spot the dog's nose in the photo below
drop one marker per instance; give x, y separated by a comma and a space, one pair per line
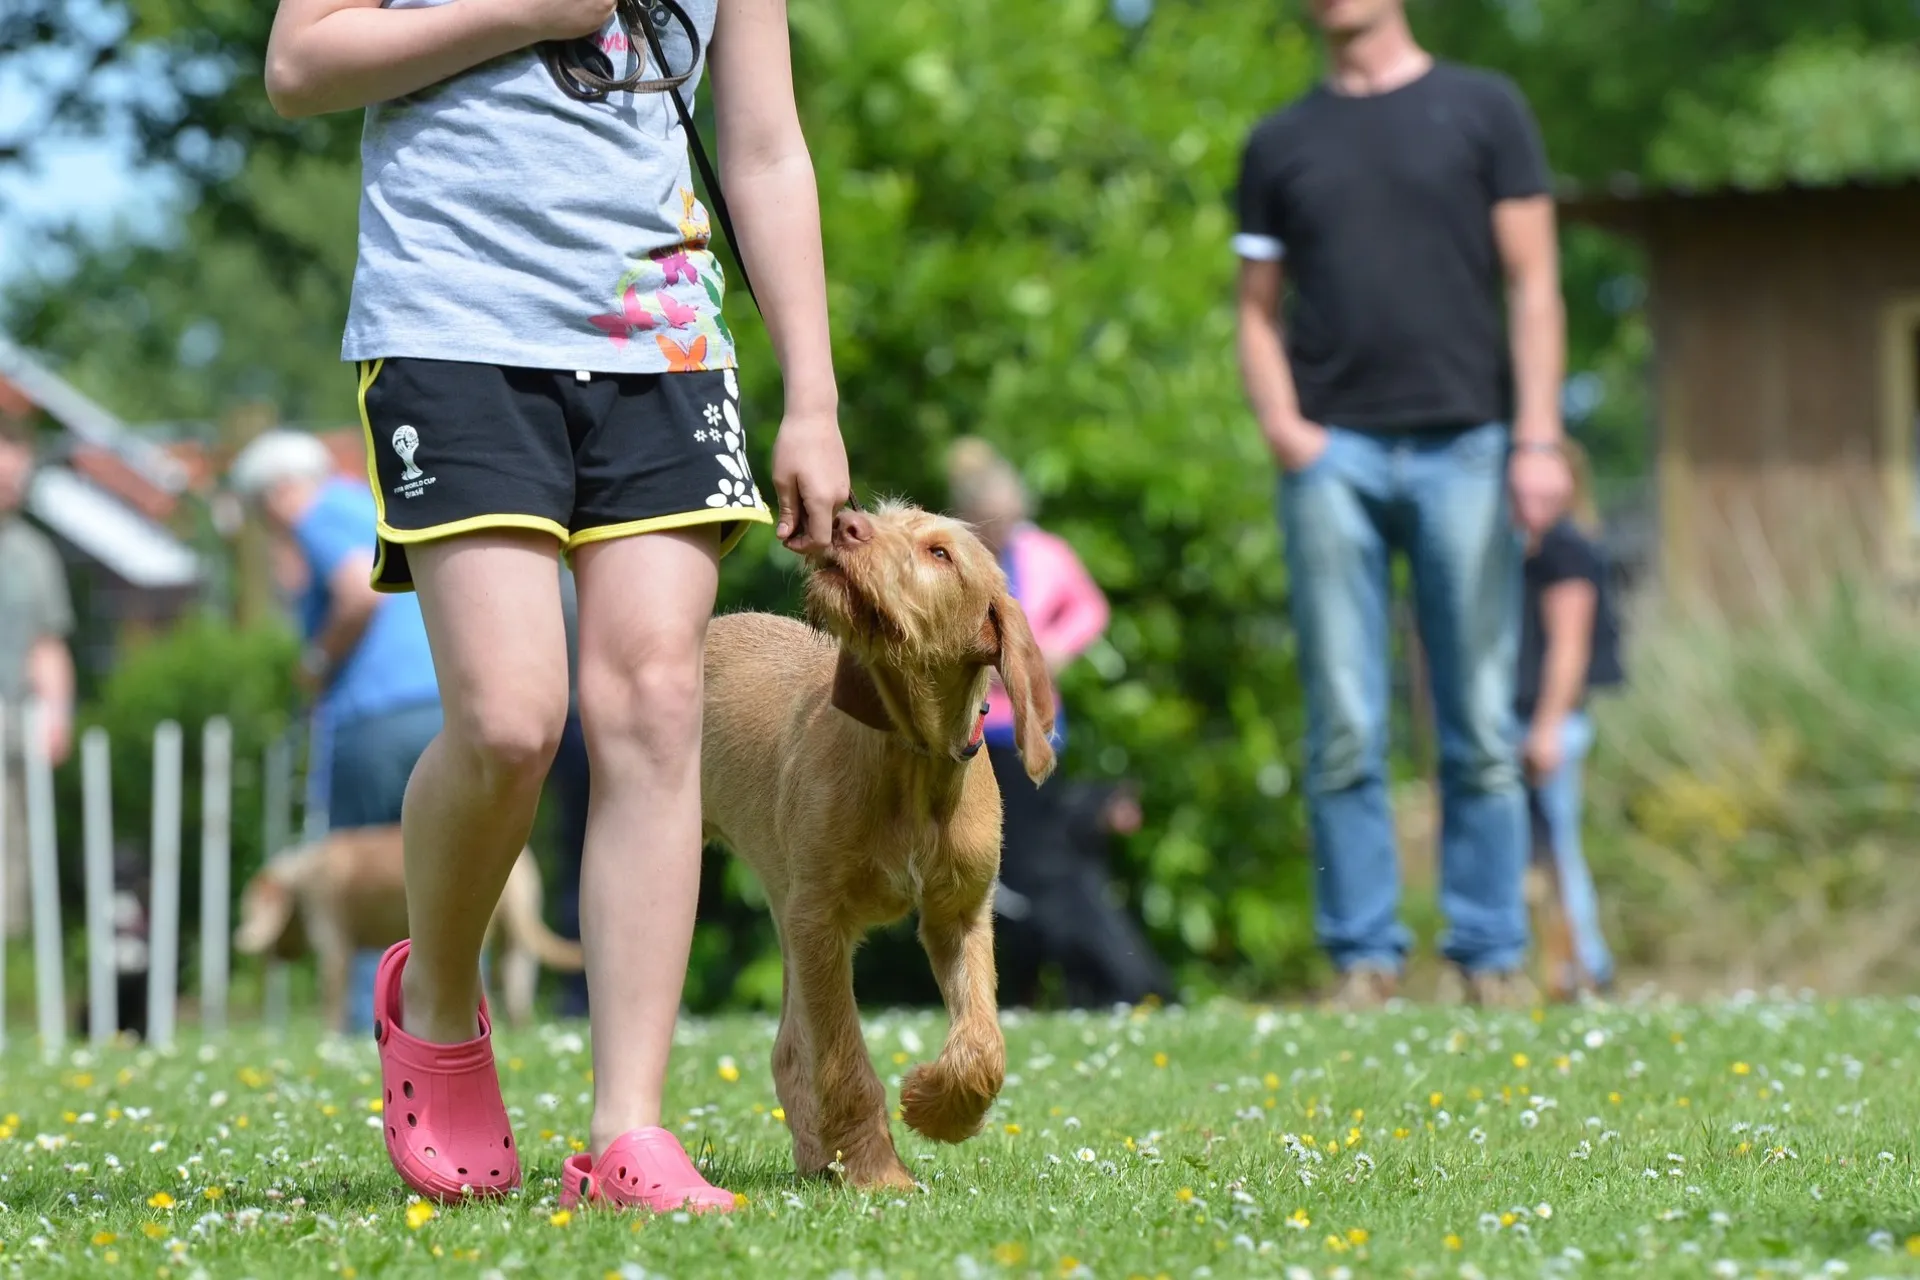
850, 528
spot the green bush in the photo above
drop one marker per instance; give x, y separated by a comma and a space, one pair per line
199, 670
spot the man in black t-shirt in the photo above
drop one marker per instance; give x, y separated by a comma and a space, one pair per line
1396, 202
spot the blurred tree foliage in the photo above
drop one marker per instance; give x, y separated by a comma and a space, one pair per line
1026, 212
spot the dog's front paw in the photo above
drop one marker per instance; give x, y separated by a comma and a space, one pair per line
946, 1105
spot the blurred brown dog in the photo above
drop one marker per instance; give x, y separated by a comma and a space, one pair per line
347, 893
845, 767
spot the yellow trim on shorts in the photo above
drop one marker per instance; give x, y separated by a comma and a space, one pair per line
743, 516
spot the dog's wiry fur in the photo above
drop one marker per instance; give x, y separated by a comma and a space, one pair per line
347, 892
851, 826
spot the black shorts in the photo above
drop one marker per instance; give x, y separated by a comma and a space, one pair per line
454, 447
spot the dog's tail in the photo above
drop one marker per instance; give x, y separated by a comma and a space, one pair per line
520, 913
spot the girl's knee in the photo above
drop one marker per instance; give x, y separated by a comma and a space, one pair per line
653, 697
510, 734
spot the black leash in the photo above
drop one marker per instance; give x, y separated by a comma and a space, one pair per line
585, 73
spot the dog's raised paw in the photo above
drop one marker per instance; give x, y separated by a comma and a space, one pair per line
940, 1104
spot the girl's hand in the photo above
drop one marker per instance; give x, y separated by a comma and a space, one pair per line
561, 19
810, 480
1543, 753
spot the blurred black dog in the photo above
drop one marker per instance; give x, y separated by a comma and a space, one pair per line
1055, 903
131, 886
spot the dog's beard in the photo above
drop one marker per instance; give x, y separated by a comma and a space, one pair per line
840, 606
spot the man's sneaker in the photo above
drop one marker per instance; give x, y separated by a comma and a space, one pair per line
1363, 988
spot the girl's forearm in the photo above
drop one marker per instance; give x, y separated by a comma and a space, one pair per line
777, 215
322, 58
1563, 678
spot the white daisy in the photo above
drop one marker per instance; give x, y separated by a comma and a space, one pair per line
712, 413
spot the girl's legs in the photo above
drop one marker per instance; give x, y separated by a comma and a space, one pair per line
492, 607
1562, 798
644, 606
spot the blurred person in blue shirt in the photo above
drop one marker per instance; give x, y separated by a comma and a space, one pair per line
365, 661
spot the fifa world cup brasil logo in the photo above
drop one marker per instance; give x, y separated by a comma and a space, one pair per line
405, 441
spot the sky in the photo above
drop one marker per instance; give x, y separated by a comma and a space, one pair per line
92, 183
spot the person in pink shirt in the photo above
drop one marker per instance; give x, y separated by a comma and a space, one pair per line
1048, 914
1065, 608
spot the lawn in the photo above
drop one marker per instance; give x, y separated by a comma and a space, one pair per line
1751, 1138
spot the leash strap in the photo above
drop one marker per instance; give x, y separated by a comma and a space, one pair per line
585, 73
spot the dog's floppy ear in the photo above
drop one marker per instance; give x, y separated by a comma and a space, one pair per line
266, 915
1029, 686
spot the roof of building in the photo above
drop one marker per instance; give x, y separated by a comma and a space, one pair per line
135, 548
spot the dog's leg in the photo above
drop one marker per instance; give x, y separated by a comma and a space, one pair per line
948, 1098
793, 1079
852, 1116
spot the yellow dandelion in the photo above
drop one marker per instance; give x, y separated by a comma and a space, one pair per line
329, 1111
104, 1238
1336, 1244
1069, 1265
1310, 1140
1358, 1115
1563, 1064
1357, 1237
376, 1106
1913, 1245
1520, 1061
1508, 1219
780, 1114
1614, 1098
1353, 1137
419, 1214
729, 1070
160, 1200
1683, 1102
1159, 1059
560, 1217
1539, 1014
1742, 1069
239, 1122
153, 1230
1451, 1242
214, 1193
1743, 1148
1333, 1146
514, 1064
1272, 1102
576, 1144
740, 1200
1010, 1254
70, 1117
1435, 1099
111, 1257
84, 1080
1270, 1080
1401, 1134
1299, 1220
1184, 1195
899, 1058
1012, 1130
1763, 1093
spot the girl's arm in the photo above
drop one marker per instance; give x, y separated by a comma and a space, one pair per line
337, 55
1566, 624
768, 175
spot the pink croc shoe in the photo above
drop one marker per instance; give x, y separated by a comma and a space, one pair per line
647, 1168
447, 1130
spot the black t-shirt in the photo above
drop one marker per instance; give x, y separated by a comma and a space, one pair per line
1382, 207
1565, 555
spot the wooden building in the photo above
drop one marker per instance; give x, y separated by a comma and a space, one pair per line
1786, 332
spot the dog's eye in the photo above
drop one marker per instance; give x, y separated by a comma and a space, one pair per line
939, 553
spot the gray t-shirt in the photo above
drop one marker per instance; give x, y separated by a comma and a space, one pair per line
502, 222
34, 603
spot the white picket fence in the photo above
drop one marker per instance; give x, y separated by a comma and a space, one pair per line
216, 819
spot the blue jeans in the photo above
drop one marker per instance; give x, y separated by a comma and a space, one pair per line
1561, 801
368, 767
1441, 499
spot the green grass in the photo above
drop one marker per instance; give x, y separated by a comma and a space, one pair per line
1749, 1138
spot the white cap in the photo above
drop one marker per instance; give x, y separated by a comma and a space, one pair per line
273, 457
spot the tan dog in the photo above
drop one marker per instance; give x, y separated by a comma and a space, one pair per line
347, 893
845, 768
